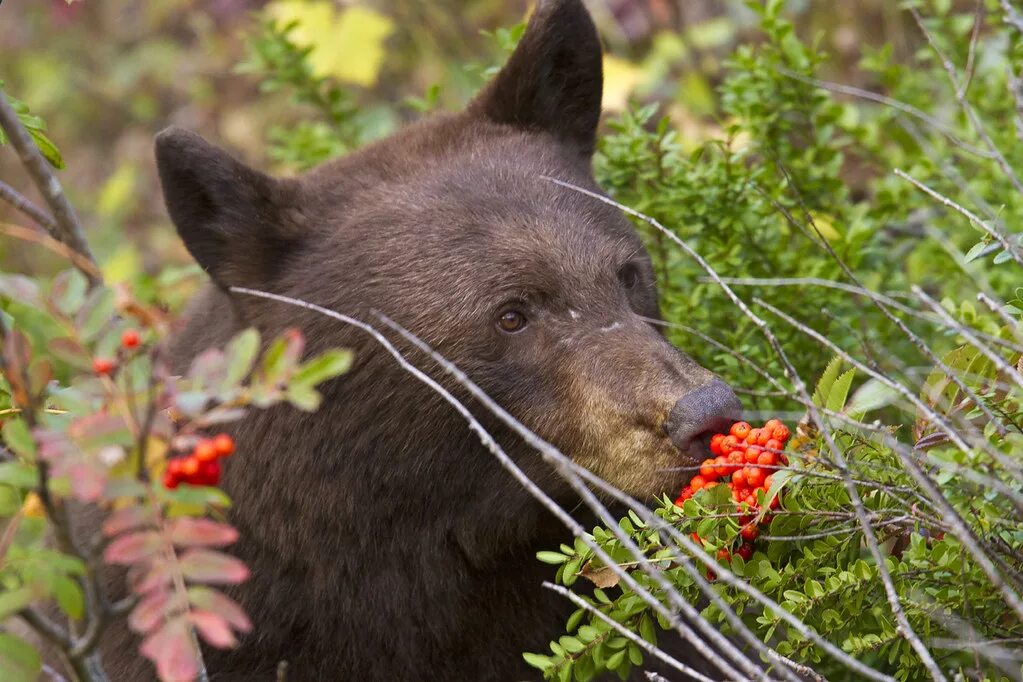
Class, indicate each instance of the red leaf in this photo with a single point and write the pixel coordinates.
(127, 519)
(158, 575)
(205, 566)
(190, 532)
(150, 612)
(132, 548)
(87, 482)
(213, 628)
(218, 602)
(172, 650)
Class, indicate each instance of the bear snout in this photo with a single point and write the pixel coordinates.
(699, 414)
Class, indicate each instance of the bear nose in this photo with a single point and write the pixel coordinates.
(710, 409)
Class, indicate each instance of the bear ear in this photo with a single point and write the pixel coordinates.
(554, 80)
(236, 222)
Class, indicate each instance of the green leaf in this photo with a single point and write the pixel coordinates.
(19, 475)
(19, 438)
(304, 397)
(826, 381)
(48, 149)
(69, 596)
(326, 366)
(839, 391)
(554, 558)
(19, 662)
(240, 355)
(538, 661)
(15, 600)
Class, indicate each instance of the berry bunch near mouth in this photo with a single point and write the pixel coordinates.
(202, 465)
(745, 459)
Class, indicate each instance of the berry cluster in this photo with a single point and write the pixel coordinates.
(744, 460)
(202, 466)
(130, 340)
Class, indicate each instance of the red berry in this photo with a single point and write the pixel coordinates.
(130, 339)
(697, 483)
(696, 538)
(753, 435)
(209, 473)
(711, 575)
(755, 477)
(721, 467)
(767, 459)
(715, 443)
(775, 501)
(772, 424)
(679, 501)
(103, 366)
(707, 470)
(749, 532)
(739, 479)
(752, 454)
(768, 480)
(751, 500)
(171, 479)
(728, 444)
(224, 445)
(763, 437)
(737, 495)
(189, 468)
(773, 445)
(740, 430)
(710, 484)
(745, 551)
(781, 432)
(205, 451)
(724, 554)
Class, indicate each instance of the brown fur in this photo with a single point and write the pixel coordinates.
(385, 542)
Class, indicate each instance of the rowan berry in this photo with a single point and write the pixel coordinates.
(205, 451)
(755, 477)
(767, 459)
(130, 339)
(749, 532)
(739, 479)
(189, 467)
(209, 473)
(781, 432)
(773, 445)
(724, 554)
(753, 453)
(740, 430)
(721, 468)
(103, 366)
(224, 445)
(745, 551)
(729, 443)
(715, 443)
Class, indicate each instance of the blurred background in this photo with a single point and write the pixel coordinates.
(106, 76)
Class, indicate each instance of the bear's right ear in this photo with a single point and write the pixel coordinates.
(236, 222)
(554, 80)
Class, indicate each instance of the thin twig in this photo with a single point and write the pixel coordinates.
(1002, 239)
(21, 203)
(628, 634)
(964, 103)
(69, 230)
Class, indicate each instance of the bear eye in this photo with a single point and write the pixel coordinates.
(511, 321)
(628, 275)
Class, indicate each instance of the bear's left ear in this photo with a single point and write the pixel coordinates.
(239, 224)
(553, 82)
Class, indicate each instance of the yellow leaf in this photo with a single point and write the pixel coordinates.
(347, 44)
(33, 506)
(621, 78)
(826, 227)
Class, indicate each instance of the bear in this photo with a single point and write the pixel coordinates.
(385, 541)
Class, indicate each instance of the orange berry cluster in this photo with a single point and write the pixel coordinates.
(743, 460)
(202, 466)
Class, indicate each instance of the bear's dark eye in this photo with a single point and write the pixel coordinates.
(628, 275)
(511, 321)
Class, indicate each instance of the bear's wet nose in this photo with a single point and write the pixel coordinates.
(699, 414)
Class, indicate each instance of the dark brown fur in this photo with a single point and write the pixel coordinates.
(385, 543)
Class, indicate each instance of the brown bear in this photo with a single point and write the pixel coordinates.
(385, 542)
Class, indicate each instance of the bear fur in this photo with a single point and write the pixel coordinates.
(385, 542)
